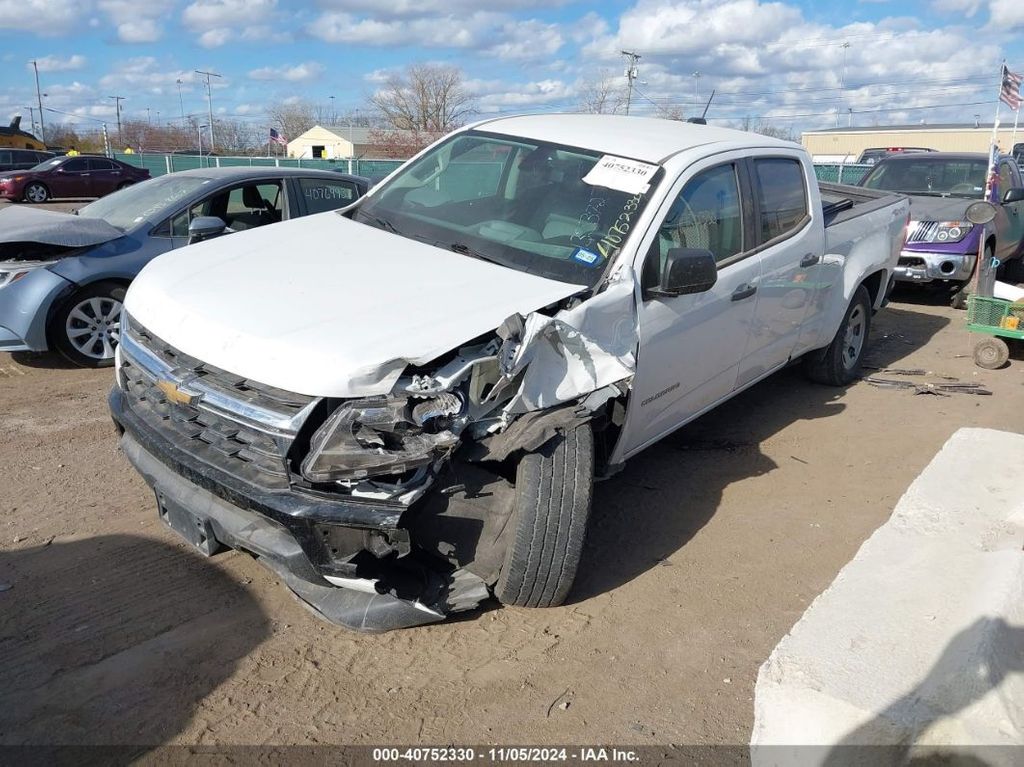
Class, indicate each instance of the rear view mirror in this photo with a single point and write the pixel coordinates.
(686, 270)
(205, 228)
(1016, 194)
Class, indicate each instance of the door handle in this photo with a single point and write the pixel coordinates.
(809, 260)
(744, 291)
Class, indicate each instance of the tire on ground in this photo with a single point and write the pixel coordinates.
(554, 487)
(36, 192)
(991, 353)
(829, 366)
(57, 329)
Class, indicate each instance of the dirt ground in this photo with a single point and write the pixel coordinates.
(702, 554)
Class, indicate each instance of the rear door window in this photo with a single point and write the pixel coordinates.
(782, 197)
(76, 166)
(323, 194)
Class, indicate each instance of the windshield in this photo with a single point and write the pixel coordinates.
(47, 164)
(940, 178)
(141, 202)
(529, 205)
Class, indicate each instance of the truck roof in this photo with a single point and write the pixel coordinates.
(641, 138)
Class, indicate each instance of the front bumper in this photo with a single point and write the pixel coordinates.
(25, 308)
(921, 266)
(210, 508)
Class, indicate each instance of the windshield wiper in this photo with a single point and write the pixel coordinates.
(465, 250)
(382, 223)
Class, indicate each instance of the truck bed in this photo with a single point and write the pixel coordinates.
(842, 202)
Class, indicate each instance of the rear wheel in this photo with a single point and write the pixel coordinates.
(124, 185)
(553, 493)
(36, 192)
(840, 363)
(87, 327)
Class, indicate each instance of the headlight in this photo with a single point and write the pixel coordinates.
(942, 231)
(366, 438)
(12, 271)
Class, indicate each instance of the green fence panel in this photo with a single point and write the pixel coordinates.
(158, 164)
(840, 173)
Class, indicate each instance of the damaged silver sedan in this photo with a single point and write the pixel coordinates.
(408, 420)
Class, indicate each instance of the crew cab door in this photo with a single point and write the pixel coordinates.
(691, 345)
(790, 246)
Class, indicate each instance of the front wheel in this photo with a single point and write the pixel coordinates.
(36, 192)
(839, 364)
(554, 487)
(87, 327)
(124, 185)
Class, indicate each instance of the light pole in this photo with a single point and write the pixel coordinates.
(209, 100)
(199, 131)
(334, 115)
(181, 103)
(39, 98)
(696, 91)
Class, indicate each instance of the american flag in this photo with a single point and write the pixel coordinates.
(1009, 94)
(278, 138)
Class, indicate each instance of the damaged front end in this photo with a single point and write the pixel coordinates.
(379, 511)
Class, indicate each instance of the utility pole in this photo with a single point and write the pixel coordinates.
(32, 118)
(117, 102)
(181, 103)
(842, 78)
(209, 100)
(631, 74)
(39, 98)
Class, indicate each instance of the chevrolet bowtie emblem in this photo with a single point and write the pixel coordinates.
(174, 392)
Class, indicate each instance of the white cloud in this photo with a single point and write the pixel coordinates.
(139, 31)
(524, 40)
(42, 17)
(214, 38)
(966, 7)
(300, 73)
(469, 31)
(1006, 15)
(203, 14)
(57, 64)
(144, 73)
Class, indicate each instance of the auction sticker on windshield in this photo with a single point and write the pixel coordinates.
(629, 176)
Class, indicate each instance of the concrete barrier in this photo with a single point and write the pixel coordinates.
(918, 645)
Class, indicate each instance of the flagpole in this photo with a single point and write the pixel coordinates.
(995, 134)
(1013, 138)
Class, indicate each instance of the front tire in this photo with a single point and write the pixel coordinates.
(86, 329)
(840, 363)
(554, 488)
(36, 192)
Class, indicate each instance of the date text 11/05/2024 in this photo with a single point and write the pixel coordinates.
(504, 754)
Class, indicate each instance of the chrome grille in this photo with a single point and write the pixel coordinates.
(235, 424)
(922, 231)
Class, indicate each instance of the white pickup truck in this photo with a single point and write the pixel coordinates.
(401, 407)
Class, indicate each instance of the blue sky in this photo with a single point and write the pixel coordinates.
(780, 62)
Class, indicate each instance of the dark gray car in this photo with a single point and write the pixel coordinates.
(63, 276)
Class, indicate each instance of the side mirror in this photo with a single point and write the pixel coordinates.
(205, 228)
(686, 270)
(1016, 194)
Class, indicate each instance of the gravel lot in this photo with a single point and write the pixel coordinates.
(702, 554)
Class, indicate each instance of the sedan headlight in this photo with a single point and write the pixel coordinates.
(12, 271)
(372, 437)
(942, 231)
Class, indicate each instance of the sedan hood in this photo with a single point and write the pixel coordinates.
(325, 306)
(20, 224)
(925, 208)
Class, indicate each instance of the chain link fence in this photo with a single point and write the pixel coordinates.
(159, 164)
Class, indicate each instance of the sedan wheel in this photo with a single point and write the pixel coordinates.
(37, 193)
(87, 329)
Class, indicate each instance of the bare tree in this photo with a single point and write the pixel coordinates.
(603, 95)
(428, 98)
(294, 118)
(767, 129)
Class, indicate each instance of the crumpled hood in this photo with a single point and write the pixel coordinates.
(21, 224)
(923, 208)
(325, 306)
